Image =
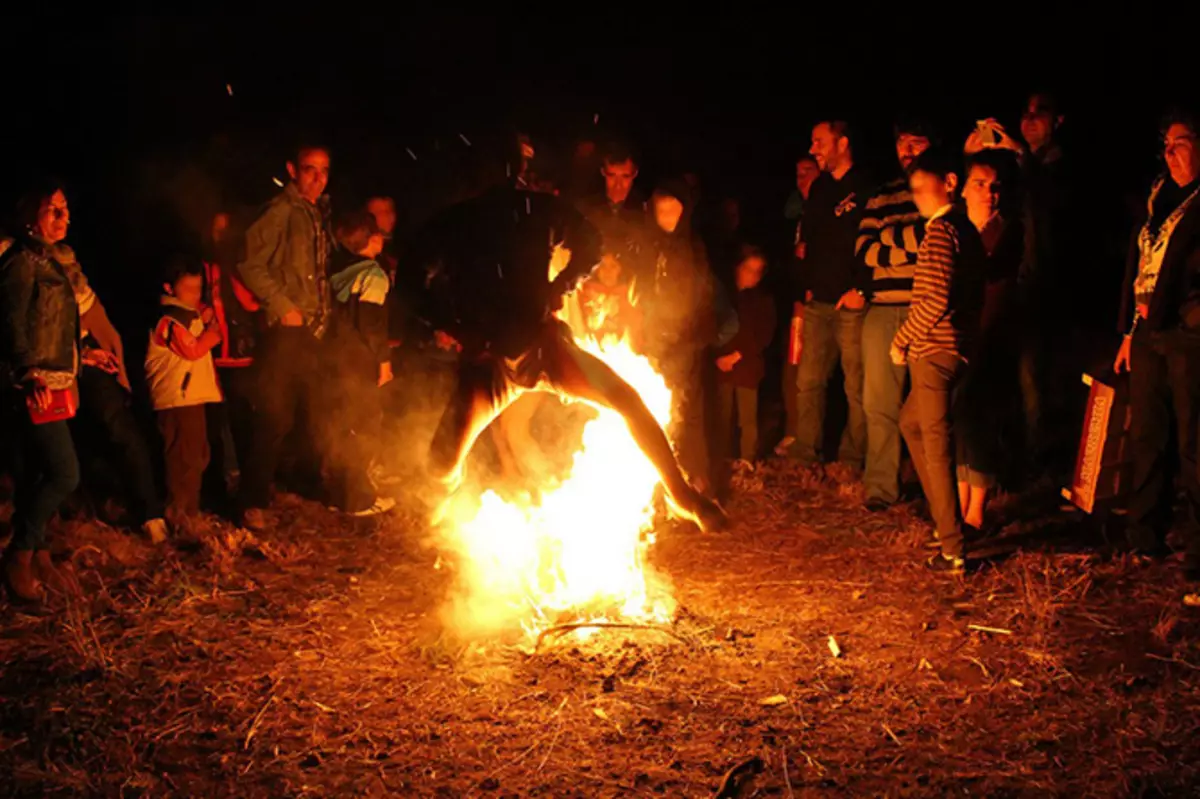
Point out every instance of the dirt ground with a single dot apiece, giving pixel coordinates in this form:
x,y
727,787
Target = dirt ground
x,y
311,661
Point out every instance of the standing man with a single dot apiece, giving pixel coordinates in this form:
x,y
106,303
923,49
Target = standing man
x,y
889,237
1161,349
287,251
832,296
619,215
807,172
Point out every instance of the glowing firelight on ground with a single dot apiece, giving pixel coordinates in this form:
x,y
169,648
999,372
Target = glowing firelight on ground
x,y
576,552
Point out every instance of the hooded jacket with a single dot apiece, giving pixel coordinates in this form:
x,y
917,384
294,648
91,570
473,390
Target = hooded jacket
x,y
179,362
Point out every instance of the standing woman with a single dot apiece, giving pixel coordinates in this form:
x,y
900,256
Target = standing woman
x,y
39,350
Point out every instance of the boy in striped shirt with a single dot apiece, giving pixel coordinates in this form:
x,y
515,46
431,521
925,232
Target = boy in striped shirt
x,y
935,340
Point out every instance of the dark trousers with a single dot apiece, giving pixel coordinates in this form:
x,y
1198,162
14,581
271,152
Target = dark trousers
x,y
230,430
682,366
185,443
105,417
743,402
1164,396
828,335
355,427
925,423
46,472
288,370
488,384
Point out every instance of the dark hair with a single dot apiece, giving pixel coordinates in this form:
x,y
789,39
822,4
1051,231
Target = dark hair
x,y
1049,100
616,152
841,128
1003,162
747,251
917,126
806,157
1180,115
35,194
299,151
936,162
354,230
179,266
674,187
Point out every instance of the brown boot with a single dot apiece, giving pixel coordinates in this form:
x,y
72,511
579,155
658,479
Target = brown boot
x,y
23,586
51,575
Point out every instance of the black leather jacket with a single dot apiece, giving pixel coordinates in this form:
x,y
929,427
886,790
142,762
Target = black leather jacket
x,y
39,320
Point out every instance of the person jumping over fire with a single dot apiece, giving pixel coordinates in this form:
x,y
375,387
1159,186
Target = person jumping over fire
x,y
489,259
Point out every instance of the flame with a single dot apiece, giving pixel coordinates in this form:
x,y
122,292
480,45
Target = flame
x,y
575,550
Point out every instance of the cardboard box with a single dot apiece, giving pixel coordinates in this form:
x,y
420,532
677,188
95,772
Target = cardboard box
x,y
1102,467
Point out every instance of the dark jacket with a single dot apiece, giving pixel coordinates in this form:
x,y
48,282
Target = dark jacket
x,y
39,319
1003,260
623,229
359,322
488,261
831,220
1176,299
237,315
287,251
756,328
678,295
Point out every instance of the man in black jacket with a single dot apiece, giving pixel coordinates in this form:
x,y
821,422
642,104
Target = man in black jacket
x,y
489,258
1161,347
830,293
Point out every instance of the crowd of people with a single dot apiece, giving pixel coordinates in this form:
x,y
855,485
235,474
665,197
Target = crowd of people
x,y
932,293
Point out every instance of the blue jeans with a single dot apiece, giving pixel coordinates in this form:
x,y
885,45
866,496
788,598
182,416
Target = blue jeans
x,y
883,394
828,332
47,471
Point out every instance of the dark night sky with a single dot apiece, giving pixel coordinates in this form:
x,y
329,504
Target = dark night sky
x,y
132,110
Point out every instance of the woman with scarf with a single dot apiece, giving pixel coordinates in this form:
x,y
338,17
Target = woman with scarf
x,y
1160,317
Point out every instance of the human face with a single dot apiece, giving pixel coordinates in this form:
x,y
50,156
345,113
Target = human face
x,y
1179,150
806,172
1038,123
311,174
220,227
908,147
188,289
982,193
667,213
53,218
618,180
828,148
374,246
930,192
384,211
609,271
750,272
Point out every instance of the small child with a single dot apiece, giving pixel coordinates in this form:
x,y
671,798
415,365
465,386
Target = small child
x,y
359,338
607,308
182,381
740,362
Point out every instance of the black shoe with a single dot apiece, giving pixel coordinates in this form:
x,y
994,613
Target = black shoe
x,y
940,564
876,505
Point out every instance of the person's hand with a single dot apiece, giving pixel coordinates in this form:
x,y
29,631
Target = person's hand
x,y
103,360
974,143
1005,142
852,301
208,315
1124,363
808,295
899,357
385,373
38,396
292,318
801,250
445,341
726,362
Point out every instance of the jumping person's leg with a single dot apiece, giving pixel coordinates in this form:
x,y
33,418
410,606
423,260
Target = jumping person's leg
x,y
481,394
576,373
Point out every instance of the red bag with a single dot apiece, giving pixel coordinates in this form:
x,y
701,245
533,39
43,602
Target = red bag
x,y
796,339
62,407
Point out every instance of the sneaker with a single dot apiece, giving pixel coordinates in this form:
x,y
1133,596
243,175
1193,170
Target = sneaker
x,y
940,564
156,530
382,505
784,447
254,519
876,505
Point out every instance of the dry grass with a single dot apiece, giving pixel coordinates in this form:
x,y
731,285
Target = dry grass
x,y
311,662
